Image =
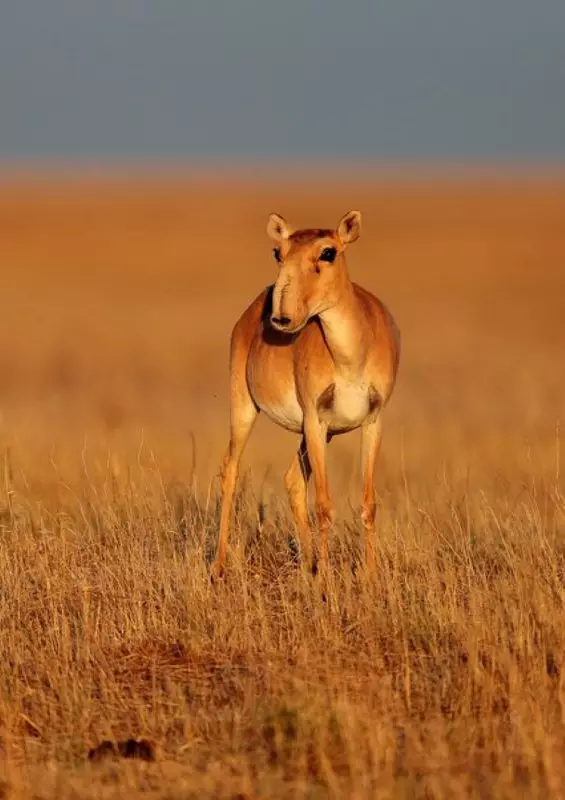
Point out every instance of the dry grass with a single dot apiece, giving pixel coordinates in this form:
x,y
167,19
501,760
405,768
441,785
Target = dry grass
x,y
439,676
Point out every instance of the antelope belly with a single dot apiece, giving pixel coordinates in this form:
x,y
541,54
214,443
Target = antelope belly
x,y
286,411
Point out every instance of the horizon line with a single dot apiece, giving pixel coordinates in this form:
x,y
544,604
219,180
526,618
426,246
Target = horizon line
x,y
279,169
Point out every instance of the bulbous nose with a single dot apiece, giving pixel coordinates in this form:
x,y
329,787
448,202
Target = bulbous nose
x,y
281,322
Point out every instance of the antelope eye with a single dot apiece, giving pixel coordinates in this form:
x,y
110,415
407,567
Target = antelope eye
x,y
328,254
277,255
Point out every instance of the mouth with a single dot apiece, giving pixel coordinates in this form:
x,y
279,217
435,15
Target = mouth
x,y
289,331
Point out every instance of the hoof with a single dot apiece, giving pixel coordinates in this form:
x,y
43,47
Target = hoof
x,y
216,572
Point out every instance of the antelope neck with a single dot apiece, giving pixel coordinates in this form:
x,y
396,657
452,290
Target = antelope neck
x,y
343,329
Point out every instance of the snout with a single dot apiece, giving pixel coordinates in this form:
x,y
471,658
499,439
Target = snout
x,y
281,323
286,324
288,311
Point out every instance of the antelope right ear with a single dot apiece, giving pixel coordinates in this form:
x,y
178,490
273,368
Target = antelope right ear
x,y
278,228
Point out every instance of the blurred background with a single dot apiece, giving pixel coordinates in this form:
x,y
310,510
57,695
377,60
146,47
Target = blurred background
x,y
142,147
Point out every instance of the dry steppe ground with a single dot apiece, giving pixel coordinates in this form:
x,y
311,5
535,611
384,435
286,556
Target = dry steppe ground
x,y
442,674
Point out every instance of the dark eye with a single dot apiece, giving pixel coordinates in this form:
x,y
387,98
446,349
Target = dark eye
x,y
277,255
328,254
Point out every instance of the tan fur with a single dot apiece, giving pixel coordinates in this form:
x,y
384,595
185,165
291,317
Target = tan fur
x,y
319,355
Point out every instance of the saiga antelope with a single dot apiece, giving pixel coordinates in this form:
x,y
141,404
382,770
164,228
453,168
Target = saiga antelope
x,y
319,355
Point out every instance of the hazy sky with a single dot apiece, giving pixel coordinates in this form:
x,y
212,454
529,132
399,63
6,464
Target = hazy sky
x,y
244,79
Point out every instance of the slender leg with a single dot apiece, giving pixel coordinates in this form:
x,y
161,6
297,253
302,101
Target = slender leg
x,y
370,445
243,415
296,482
315,434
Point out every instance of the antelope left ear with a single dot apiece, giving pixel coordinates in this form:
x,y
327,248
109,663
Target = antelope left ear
x,y
349,228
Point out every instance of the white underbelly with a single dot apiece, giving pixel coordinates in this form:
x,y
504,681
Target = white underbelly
x,y
287,412
350,406
347,410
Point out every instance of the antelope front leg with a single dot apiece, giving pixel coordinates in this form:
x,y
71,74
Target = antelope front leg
x,y
370,445
296,482
315,434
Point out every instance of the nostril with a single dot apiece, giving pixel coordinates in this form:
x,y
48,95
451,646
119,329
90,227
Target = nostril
x,y
282,321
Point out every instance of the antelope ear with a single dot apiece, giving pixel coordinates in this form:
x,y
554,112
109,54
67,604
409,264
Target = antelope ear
x,y
278,228
349,228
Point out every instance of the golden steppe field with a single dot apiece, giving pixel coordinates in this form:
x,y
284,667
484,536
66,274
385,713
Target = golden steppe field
x,y
440,674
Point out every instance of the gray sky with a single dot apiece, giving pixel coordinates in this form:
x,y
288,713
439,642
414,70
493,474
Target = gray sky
x,y
196,80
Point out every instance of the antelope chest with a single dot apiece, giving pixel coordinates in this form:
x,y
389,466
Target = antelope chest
x,y
345,405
